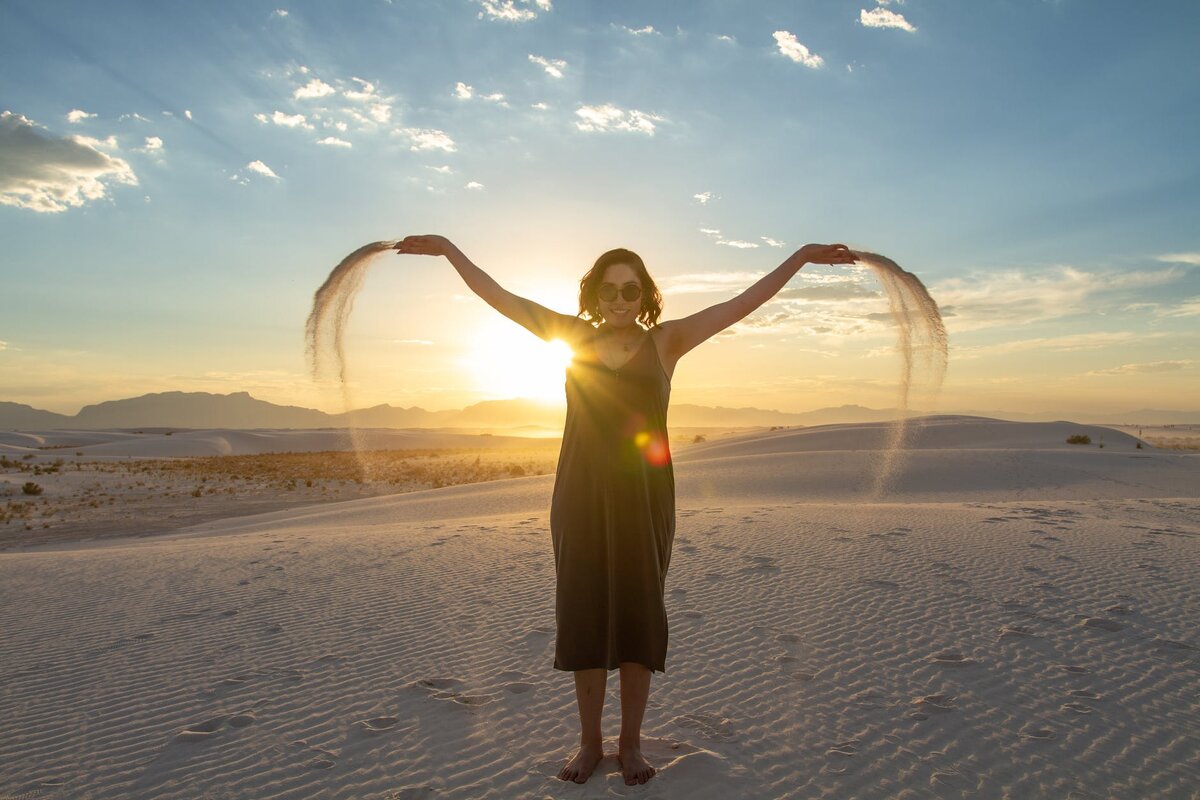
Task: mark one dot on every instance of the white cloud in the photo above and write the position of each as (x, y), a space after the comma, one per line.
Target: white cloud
(76, 115)
(476, 185)
(797, 52)
(772, 242)
(285, 120)
(1148, 366)
(281, 12)
(334, 142)
(725, 38)
(362, 94)
(152, 143)
(554, 66)
(444, 169)
(610, 118)
(710, 231)
(427, 139)
(508, 10)
(187, 113)
(648, 30)
(464, 92)
(44, 173)
(380, 112)
(738, 244)
(1180, 258)
(261, 169)
(314, 88)
(540, 106)
(134, 115)
(882, 18)
(703, 198)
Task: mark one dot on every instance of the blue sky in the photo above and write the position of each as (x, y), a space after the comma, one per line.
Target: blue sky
(176, 179)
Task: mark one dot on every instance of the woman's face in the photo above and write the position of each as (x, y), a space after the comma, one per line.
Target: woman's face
(620, 313)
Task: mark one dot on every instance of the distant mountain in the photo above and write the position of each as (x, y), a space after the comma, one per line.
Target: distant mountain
(240, 410)
(23, 417)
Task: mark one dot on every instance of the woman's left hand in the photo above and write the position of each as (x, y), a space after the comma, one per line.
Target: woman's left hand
(825, 254)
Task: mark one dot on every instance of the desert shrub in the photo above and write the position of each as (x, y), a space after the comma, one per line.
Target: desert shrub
(699, 438)
(31, 488)
(1079, 438)
(516, 470)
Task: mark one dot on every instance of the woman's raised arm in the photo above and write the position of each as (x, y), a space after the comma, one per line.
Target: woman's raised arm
(684, 334)
(539, 320)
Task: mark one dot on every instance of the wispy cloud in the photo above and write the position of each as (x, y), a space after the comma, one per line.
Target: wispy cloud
(790, 47)
(646, 30)
(703, 198)
(1180, 258)
(45, 173)
(1016, 296)
(1189, 308)
(333, 141)
(76, 115)
(1148, 366)
(153, 145)
(510, 11)
(553, 66)
(883, 18)
(474, 186)
(611, 118)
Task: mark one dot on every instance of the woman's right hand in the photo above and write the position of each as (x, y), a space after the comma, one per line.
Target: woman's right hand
(427, 245)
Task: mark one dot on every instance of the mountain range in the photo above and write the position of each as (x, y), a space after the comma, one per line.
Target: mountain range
(240, 410)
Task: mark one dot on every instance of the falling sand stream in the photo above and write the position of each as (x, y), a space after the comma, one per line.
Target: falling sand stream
(918, 324)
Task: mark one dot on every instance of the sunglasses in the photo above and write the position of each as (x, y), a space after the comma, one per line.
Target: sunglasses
(630, 291)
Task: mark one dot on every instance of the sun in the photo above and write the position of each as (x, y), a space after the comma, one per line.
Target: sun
(507, 362)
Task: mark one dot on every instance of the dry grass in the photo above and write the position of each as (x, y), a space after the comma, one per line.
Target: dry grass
(142, 497)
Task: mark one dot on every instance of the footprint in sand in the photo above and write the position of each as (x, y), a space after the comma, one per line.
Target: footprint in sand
(1035, 732)
(201, 731)
(958, 582)
(708, 726)
(715, 576)
(846, 749)
(1075, 708)
(376, 725)
(690, 614)
(932, 704)
(688, 548)
(842, 539)
(1086, 694)
(1119, 609)
(1073, 669)
(518, 687)
(788, 638)
(724, 547)
(952, 658)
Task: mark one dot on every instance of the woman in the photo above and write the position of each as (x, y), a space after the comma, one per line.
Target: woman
(612, 518)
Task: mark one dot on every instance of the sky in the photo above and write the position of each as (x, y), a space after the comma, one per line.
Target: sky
(177, 179)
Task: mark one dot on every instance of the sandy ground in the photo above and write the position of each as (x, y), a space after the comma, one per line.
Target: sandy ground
(1015, 618)
(103, 484)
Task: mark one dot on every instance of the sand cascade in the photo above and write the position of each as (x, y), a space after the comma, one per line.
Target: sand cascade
(919, 328)
(920, 331)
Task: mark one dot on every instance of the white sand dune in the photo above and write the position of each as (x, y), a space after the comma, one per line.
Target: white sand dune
(1018, 620)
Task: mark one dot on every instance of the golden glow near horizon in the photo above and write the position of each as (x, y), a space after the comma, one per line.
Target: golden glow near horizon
(507, 361)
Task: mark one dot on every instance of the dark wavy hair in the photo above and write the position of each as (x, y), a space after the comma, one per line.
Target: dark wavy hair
(589, 287)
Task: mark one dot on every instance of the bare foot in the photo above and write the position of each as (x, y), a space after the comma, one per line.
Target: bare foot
(634, 767)
(579, 768)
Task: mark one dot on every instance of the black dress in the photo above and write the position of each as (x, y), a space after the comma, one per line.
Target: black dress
(613, 513)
